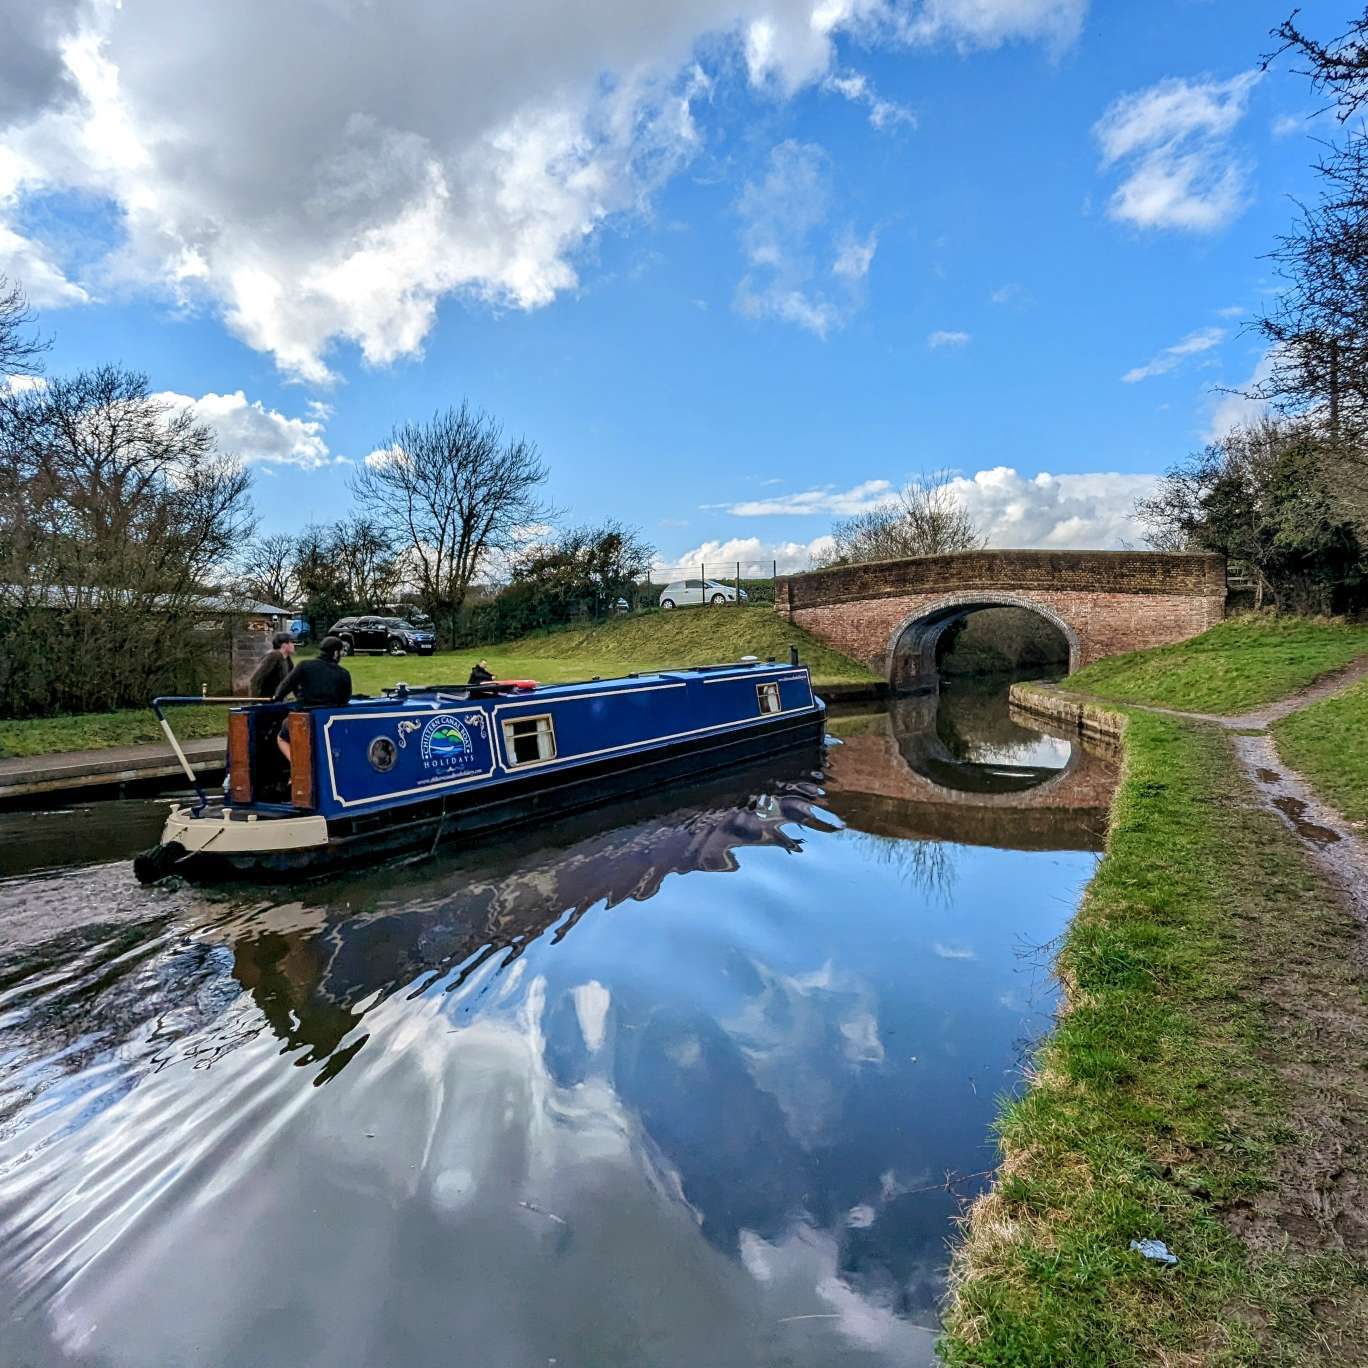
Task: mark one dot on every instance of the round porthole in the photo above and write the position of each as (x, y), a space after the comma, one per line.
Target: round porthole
(382, 754)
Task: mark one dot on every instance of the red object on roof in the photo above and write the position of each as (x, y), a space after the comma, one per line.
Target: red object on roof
(521, 685)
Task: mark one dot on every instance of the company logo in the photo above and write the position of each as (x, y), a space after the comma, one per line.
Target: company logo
(445, 746)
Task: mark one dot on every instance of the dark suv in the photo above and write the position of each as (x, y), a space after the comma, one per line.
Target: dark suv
(382, 634)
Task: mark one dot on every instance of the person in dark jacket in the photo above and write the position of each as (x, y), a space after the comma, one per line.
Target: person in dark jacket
(480, 675)
(275, 665)
(317, 683)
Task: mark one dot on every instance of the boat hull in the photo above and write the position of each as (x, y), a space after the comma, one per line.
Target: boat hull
(212, 847)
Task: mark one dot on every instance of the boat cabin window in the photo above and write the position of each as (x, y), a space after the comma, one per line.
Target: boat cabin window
(769, 698)
(529, 738)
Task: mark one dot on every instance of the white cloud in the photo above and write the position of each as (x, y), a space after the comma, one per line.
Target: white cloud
(1006, 294)
(858, 89)
(256, 434)
(1090, 511)
(854, 257)
(839, 503)
(990, 23)
(1204, 339)
(1172, 141)
(1237, 410)
(1012, 510)
(947, 338)
(24, 261)
(786, 238)
(754, 553)
(435, 150)
(1285, 125)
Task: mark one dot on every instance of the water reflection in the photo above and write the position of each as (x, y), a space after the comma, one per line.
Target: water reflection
(573, 1098)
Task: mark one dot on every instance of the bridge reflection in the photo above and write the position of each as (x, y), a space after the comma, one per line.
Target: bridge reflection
(956, 765)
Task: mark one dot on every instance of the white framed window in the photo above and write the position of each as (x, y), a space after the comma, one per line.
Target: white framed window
(528, 739)
(768, 694)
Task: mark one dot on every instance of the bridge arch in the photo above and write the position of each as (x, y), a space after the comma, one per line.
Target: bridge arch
(1104, 602)
(911, 651)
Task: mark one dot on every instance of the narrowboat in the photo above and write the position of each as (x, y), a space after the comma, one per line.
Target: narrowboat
(423, 765)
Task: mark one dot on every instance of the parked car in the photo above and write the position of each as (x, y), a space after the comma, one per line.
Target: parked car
(382, 634)
(300, 628)
(683, 592)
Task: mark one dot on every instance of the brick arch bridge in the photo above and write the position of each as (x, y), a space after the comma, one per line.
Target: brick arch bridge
(890, 614)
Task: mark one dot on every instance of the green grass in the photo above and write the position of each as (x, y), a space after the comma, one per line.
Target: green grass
(1235, 666)
(99, 731)
(1160, 1099)
(650, 641)
(1328, 743)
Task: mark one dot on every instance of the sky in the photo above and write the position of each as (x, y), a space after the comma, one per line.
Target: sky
(738, 267)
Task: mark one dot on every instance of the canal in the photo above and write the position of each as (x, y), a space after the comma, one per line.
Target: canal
(697, 1080)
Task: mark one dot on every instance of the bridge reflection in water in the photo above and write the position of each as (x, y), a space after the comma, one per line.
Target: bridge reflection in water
(546, 1099)
(956, 766)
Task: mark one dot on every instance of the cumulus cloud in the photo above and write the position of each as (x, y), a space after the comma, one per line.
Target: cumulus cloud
(755, 555)
(1204, 339)
(799, 273)
(441, 150)
(943, 337)
(1171, 142)
(256, 434)
(1012, 510)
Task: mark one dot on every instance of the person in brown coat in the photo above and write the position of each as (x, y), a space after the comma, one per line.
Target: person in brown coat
(275, 665)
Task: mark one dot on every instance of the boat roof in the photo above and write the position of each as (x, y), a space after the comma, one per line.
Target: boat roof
(421, 695)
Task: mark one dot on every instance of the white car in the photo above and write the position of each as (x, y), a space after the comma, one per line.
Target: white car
(683, 592)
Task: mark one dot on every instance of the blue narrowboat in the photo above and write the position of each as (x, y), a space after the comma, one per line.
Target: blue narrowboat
(419, 766)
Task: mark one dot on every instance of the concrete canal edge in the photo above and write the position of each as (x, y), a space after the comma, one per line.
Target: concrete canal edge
(1070, 712)
(1201, 1079)
(100, 773)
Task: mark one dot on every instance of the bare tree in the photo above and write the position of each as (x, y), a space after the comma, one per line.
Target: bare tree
(20, 351)
(452, 492)
(1317, 327)
(924, 518)
(1337, 68)
(366, 558)
(265, 569)
(116, 513)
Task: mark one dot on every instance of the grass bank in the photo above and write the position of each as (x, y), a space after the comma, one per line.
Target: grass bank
(99, 731)
(1235, 666)
(1328, 743)
(1201, 1088)
(650, 641)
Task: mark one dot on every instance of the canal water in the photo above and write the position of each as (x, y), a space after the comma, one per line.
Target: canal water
(697, 1080)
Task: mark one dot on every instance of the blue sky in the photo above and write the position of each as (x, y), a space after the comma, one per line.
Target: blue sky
(736, 267)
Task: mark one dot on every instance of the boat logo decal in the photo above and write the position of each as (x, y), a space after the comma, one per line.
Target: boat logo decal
(404, 729)
(445, 745)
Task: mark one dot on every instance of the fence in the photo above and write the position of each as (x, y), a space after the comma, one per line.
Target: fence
(709, 582)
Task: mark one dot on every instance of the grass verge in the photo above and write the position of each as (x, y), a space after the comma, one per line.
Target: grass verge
(649, 641)
(1235, 666)
(99, 731)
(1328, 743)
(1211, 1049)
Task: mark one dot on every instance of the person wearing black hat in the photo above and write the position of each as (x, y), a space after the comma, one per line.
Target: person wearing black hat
(317, 683)
(275, 665)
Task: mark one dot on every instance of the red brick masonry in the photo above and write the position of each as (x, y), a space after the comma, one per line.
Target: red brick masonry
(1105, 601)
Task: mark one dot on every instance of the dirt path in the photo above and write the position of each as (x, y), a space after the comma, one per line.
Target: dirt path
(1337, 850)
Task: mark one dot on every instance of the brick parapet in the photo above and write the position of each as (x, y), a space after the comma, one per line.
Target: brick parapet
(1167, 574)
